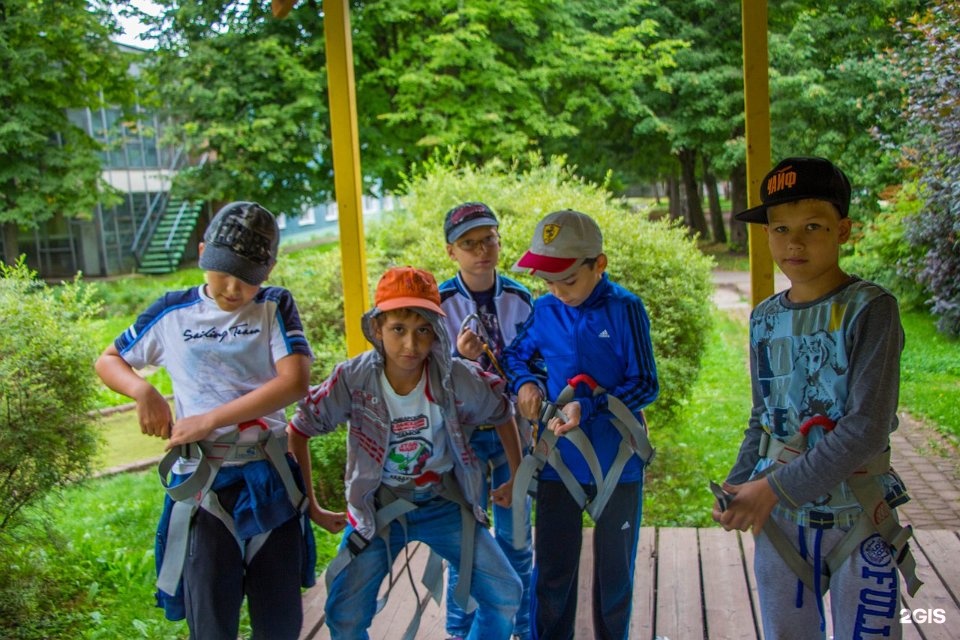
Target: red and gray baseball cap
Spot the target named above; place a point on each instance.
(561, 243)
(800, 178)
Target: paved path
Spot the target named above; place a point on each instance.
(928, 463)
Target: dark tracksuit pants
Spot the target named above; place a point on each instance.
(558, 539)
(215, 579)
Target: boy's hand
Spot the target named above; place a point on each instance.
(751, 506)
(503, 495)
(332, 521)
(190, 429)
(529, 399)
(469, 344)
(153, 413)
(572, 411)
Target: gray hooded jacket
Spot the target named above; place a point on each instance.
(353, 394)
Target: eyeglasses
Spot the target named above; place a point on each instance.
(487, 242)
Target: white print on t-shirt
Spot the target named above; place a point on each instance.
(417, 440)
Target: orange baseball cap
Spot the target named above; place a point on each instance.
(402, 287)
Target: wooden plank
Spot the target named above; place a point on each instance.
(644, 585)
(679, 604)
(726, 593)
(942, 548)
(748, 546)
(391, 622)
(933, 612)
(314, 601)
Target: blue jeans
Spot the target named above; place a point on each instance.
(488, 448)
(352, 598)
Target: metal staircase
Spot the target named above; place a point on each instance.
(170, 237)
(166, 228)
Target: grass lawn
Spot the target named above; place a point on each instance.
(930, 373)
(123, 441)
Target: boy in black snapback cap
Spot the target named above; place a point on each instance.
(234, 522)
(813, 477)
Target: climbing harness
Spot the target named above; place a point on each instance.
(633, 440)
(393, 503)
(484, 341)
(196, 492)
(876, 516)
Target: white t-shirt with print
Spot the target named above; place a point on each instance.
(418, 443)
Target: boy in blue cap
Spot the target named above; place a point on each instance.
(813, 477)
(485, 310)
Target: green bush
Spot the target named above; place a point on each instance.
(879, 251)
(654, 259)
(328, 455)
(47, 436)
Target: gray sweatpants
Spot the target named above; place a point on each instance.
(864, 591)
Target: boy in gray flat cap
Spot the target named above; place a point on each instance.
(234, 522)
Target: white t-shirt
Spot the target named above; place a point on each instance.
(215, 356)
(418, 442)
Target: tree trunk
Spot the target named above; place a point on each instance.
(673, 193)
(688, 169)
(738, 202)
(717, 225)
(11, 245)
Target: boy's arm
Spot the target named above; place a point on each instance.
(520, 361)
(329, 520)
(153, 410)
(510, 437)
(289, 385)
(639, 385)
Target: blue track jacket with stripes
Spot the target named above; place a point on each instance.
(606, 337)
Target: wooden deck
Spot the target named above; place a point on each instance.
(691, 584)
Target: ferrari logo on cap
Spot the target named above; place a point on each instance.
(550, 233)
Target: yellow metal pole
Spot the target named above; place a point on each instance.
(756, 97)
(347, 178)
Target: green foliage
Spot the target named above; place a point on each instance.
(328, 455)
(932, 66)
(54, 56)
(930, 373)
(880, 252)
(91, 572)
(251, 90)
(835, 93)
(653, 259)
(702, 444)
(316, 283)
(47, 437)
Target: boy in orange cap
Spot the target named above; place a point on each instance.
(408, 403)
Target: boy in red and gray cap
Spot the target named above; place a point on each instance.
(585, 325)
(813, 477)
(408, 404)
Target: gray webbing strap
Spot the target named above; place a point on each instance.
(195, 492)
(876, 517)
(634, 440)
(394, 506)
